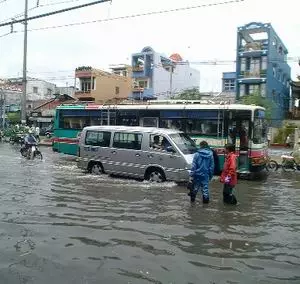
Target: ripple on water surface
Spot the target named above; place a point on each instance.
(59, 223)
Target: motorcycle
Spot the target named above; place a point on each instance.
(31, 151)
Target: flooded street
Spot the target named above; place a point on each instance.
(59, 225)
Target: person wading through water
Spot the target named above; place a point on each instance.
(229, 175)
(202, 172)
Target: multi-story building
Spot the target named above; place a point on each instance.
(229, 82)
(100, 86)
(261, 66)
(157, 76)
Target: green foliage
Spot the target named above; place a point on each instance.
(257, 99)
(14, 117)
(189, 94)
(283, 132)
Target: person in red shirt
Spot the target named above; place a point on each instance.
(229, 175)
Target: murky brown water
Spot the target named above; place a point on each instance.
(59, 225)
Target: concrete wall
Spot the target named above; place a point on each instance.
(45, 90)
(106, 87)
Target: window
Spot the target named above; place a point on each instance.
(74, 122)
(263, 90)
(242, 90)
(85, 85)
(229, 85)
(143, 84)
(125, 140)
(254, 65)
(49, 92)
(184, 143)
(117, 90)
(253, 89)
(93, 83)
(150, 122)
(243, 64)
(156, 142)
(35, 90)
(203, 127)
(172, 124)
(98, 138)
(264, 63)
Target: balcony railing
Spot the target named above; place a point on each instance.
(249, 47)
(137, 89)
(138, 68)
(253, 74)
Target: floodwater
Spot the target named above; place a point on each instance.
(59, 225)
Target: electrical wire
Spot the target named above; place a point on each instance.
(160, 12)
(54, 13)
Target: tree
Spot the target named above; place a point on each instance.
(14, 117)
(188, 94)
(257, 99)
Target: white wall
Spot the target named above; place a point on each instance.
(183, 77)
(42, 86)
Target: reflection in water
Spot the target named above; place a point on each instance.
(59, 224)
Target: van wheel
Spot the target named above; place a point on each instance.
(155, 175)
(96, 169)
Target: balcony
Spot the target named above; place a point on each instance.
(138, 68)
(137, 89)
(253, 74)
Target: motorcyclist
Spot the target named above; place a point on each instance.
(29, 141)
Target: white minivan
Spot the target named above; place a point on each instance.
(153, 154)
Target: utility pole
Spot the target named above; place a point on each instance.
(23, 106)
(171, 81)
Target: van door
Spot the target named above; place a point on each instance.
(126, 153)
(159, 155)
(96, 146)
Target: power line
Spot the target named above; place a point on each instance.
(160, 12)
(55, 12)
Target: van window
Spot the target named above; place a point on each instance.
(97, 138)
(125, 140)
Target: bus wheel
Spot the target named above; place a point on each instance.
(155, 175)
(96, 168)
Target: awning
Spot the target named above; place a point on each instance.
(41, 119)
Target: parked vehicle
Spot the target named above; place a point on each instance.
(153, 154)
(31, 152)
(289, 163)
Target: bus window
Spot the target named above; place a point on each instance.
(203, 127)
(176, 124)
(75, 122)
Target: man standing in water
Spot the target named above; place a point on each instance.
(202, 172)
(229, 175)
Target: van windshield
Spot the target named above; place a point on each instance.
(184, 143)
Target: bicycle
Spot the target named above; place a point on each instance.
(271, 165)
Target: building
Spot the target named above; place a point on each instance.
(43, 114)
(295, 100)
(65, 91)
(99, 86)
(157, 76)
(261, 66)
(229, 82)
(37, 89)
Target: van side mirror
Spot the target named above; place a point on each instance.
(170, 149)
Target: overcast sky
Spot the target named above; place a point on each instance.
(200, 34)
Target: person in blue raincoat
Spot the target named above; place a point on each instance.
(202, 172)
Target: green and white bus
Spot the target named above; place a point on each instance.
(242, 125)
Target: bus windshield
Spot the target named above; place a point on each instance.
(184, 143)
(259, 127)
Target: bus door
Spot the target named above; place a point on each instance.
(238, 134)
